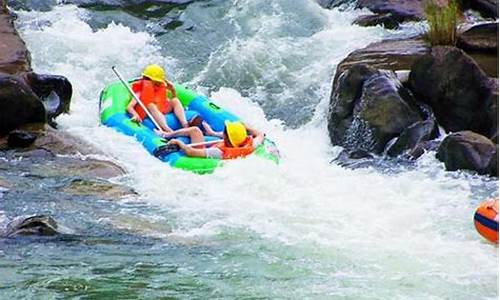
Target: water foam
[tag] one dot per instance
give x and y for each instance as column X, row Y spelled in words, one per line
column 411, row 228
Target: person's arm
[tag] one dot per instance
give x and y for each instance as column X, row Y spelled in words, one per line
column 159, row 117
column 188, row 150
column 132, row 111
column 171, row 88
column 258, row 137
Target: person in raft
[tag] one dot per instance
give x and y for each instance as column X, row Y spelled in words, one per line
column 238, row 141
column 152, row 89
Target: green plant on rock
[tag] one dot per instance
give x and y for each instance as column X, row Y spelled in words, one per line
column 442, row 17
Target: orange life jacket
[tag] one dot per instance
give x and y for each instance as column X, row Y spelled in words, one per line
column 234, row 152
column 151, row 93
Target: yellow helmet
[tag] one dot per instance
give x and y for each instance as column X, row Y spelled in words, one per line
column 236, row 132
column 155, row 73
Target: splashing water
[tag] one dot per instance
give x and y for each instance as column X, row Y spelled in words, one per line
column 303, row 228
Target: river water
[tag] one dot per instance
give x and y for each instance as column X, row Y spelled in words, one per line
column 302, row 229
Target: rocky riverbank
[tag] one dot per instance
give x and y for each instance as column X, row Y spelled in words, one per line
column 391, row 97
column 31, row 150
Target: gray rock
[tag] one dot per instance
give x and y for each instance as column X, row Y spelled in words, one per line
column 412, row 136
column 368, row 108
column 470, row 151
column 386, row 20
column 461, row 95
column 35, row 225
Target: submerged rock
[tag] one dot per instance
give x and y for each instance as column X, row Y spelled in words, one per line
column 462, row 96
column 368, row 108
column 98, row 188
column 34, row 225
column 470, row 151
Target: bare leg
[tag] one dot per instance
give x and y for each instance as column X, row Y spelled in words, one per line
column 194, row 134
column 179, row 112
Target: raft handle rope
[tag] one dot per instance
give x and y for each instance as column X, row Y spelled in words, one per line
column 136, row 98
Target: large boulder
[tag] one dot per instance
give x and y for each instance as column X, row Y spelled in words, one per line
column 388, row 54
column 461, row 95
column 55, row 91
column 18, row 104
column 368, row 108
column 14, row 57
column 470, row 151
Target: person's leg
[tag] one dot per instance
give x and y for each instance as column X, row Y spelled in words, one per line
column 194, row 133
column 179, row 112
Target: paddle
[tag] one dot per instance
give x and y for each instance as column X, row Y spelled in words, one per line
column 171, row 148
column 136, row 98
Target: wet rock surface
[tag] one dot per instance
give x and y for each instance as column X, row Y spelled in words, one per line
column 35, row 225
column 462, row 96
column 480, row 38
column 20, row 139
column 412, row 137
column 389, row 55
column 487, row 8
column 470, row 151
column 386, row 20
column 404, row 10
column 18, row 104
column 98, row 188
column 368, row 108
column 14, row 57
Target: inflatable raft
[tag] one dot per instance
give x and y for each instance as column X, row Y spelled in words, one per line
column 486, row 220
column 112, row 107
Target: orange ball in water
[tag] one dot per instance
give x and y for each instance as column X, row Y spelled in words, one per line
column 486, row 220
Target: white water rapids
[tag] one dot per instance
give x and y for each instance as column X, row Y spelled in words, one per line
column 362, row 233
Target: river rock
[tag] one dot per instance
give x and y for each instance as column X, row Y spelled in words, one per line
column 34, row 225
column 368, row 108
column 54, row 91
column 400, row 10
column 14, row 57
column 388, row 54
column 98, row 188
column 332, row 3
column 412, row 138
column 480, row 38
column 20, row 139
column 470, row 151
column 487, row 8
column 461, row 95
column 18, row 104
column 386, row 20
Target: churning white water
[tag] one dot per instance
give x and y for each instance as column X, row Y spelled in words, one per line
column 333, row 232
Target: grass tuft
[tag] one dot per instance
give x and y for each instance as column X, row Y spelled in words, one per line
column 442, row 16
